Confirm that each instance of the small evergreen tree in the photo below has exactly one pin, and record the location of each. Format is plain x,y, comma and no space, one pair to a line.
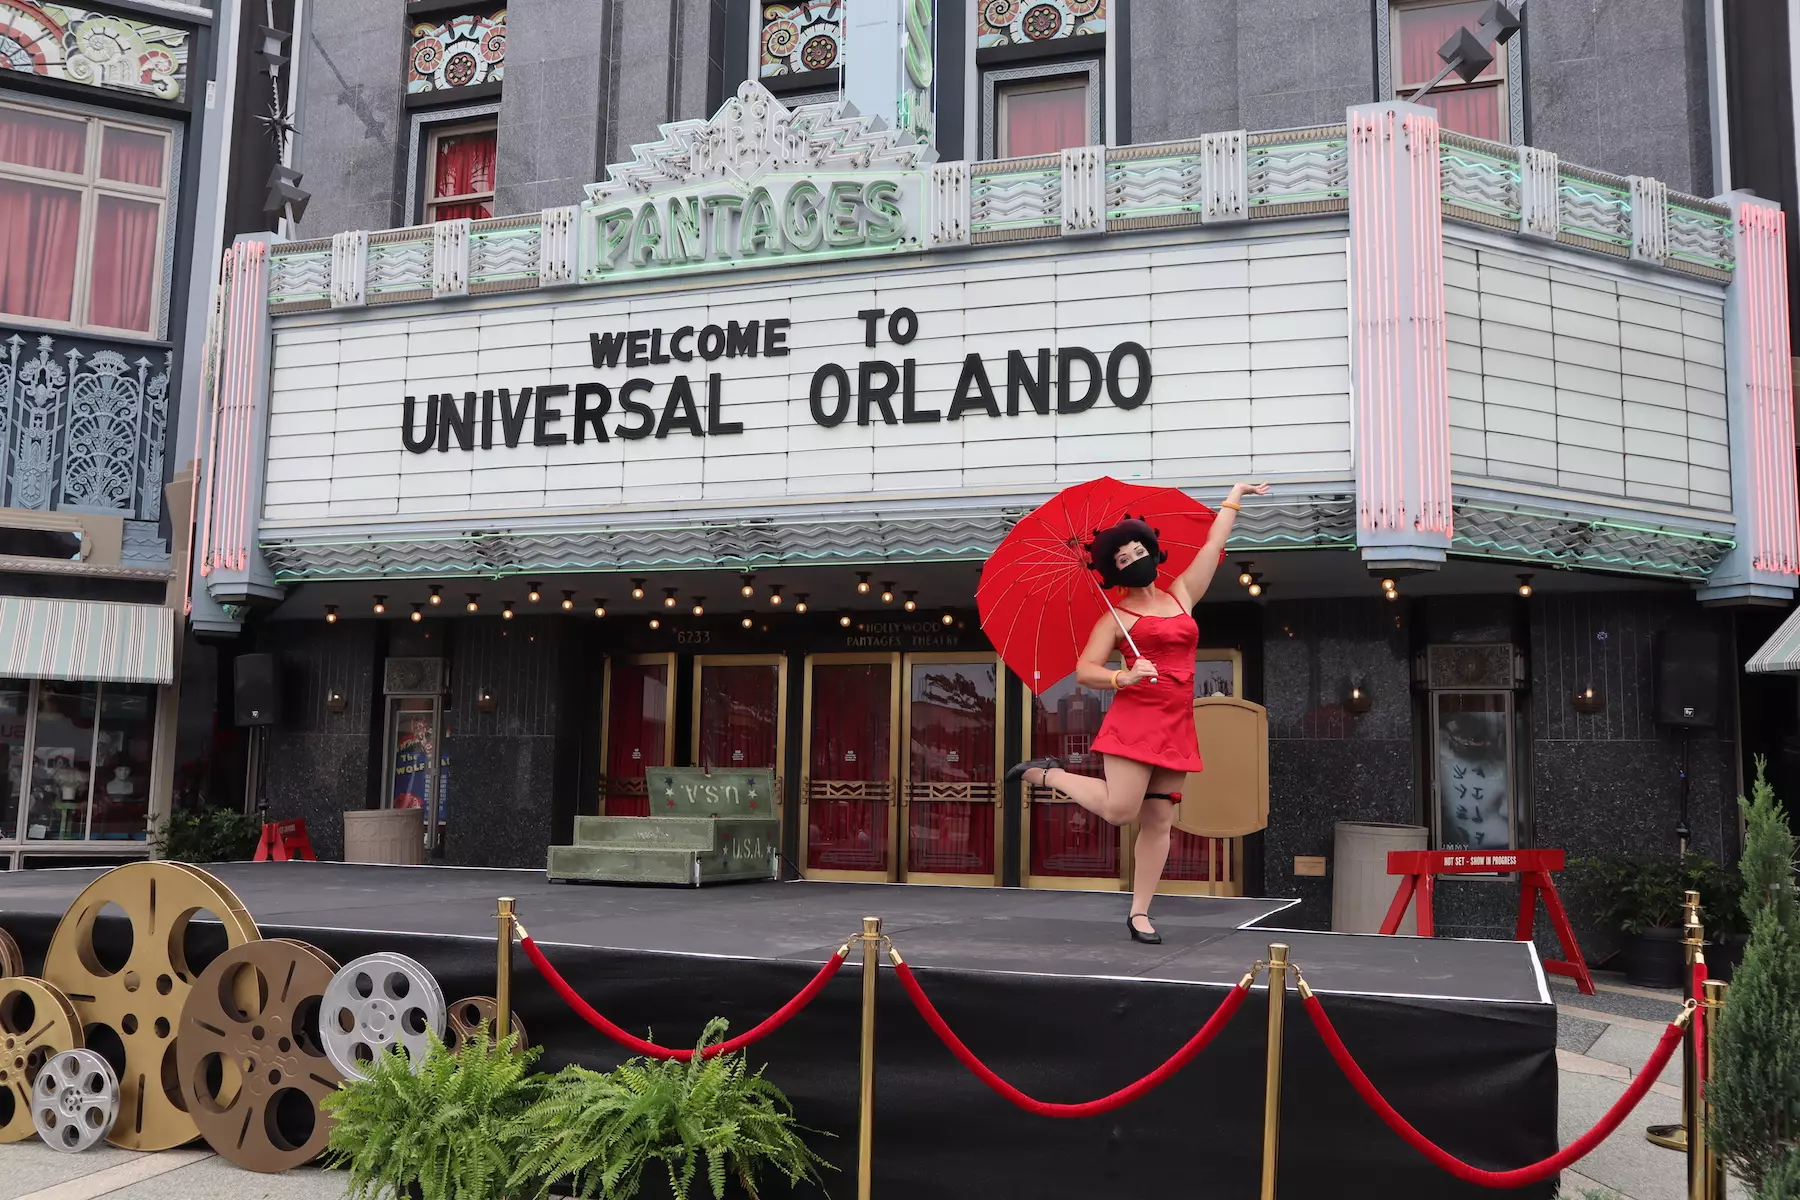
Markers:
1755,1091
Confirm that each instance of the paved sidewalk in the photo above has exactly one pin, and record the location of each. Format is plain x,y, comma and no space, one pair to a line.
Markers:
1602,1039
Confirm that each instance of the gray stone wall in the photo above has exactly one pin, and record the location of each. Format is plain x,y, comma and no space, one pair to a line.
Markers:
549,126
352,117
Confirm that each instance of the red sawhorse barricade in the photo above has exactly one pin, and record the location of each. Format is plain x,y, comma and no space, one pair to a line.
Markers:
1419,870
285,841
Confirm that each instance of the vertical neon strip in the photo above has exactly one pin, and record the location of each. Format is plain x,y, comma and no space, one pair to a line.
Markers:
228,451
211,462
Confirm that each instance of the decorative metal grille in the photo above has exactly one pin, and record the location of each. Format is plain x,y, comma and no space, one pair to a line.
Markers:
1481,181
82,425
1298,171
300,276
1015,199
1563,539
1154,186
1700,237
503,254
1596,210
399,265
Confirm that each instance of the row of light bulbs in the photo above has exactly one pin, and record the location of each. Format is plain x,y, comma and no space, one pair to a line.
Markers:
638,592
1391,588
1249,580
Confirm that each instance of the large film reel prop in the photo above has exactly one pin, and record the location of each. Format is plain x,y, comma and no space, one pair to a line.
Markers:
466,1016
12,963
75,1100
131,1000
376,1003
37,1022
253,1076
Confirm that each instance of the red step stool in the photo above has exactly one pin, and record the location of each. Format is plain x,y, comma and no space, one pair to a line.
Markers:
285,841
1420,869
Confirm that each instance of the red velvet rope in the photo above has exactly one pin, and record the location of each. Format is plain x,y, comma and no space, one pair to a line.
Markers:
586,1012
1699,1031
1518,1177
1234,1000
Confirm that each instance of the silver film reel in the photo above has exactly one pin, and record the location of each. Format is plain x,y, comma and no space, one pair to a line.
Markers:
376,1003
75,1100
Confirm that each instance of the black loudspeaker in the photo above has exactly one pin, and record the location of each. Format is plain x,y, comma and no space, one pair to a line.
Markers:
256,689
1687,679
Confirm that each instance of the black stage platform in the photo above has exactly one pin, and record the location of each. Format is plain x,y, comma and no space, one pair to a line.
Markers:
1043,985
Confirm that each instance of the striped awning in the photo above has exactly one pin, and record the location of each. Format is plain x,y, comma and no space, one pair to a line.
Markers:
1780,655
86,639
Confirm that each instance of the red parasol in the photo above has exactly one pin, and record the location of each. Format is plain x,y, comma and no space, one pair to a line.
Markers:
1038,598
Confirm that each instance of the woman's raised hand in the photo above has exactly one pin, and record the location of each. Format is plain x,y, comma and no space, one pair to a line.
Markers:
1249,489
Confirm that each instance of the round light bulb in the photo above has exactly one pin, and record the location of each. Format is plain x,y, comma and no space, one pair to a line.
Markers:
506,614
1393,595
949,619
844,620
1255,588
1245,579
655,623
800,607
599,610
887,597
775,599
637,591
418,614
380,605
437,596
746,591
1388,585
331,614
745,622
1524,589
699,610
911,606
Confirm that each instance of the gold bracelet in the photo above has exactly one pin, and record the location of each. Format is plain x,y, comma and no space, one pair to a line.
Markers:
1116,686
1233,505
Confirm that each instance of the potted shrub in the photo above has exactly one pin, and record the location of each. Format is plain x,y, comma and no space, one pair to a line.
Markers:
206,835
1755,1088
650,1128
1727,926
1640,895
449,1132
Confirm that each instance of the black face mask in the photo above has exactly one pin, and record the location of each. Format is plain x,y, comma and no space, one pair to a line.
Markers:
1140,573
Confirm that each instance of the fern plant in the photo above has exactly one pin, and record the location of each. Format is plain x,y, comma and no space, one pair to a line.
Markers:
599,1133
452,1131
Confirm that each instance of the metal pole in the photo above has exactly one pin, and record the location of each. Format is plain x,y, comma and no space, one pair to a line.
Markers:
1712,1169
1674,1137
1278,968
865,1133
503,970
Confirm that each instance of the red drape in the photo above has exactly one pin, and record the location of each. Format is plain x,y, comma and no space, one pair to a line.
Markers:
738,710
636,736
1423,30
1474,111
124,268
1043,122
465,164
39,234
952,741
37,140
851,714
1066,839
128,156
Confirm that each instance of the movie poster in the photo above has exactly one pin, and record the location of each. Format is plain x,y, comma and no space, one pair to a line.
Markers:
1474,801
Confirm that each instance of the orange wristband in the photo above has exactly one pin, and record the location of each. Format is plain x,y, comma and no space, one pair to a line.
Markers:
1116,686
1233,505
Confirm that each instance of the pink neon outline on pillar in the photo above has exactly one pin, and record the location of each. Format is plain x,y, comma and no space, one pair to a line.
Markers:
1434,383
211,463
1776,547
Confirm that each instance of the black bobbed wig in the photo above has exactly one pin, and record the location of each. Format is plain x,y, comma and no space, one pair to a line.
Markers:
1107,541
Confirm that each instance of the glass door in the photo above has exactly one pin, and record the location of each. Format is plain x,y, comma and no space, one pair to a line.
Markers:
1203,865
848,815
1472,746
638,730
414,729
741,706
950,806
1066,846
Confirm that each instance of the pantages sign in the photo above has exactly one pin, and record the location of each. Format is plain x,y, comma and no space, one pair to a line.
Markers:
754,183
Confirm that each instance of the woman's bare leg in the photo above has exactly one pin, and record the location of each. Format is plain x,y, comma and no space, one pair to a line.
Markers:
1155,821
1115,799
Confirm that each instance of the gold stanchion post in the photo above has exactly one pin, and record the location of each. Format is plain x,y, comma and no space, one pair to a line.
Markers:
1278,970
1674,1137
503,969
1711,1168
865,1133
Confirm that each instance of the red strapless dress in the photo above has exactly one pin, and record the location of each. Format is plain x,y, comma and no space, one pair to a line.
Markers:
1152,721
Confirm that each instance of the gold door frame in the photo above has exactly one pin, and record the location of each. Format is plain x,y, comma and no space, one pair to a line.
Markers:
1230,858
906,798
893,660
1224,854
606,677
780,663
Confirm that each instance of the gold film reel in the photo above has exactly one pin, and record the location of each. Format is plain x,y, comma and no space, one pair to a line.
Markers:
463,1018
12,962
37,1022
253,1075
129,998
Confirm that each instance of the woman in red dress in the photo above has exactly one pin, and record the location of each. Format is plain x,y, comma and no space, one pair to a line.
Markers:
1147,740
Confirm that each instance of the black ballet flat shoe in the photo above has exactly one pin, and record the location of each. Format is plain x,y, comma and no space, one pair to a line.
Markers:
1035,764
1152,938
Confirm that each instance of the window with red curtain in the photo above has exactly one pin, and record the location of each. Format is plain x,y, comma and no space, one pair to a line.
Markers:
852,714
462,174
1477,109
67,182
636,735
739,716
952,742
1042,117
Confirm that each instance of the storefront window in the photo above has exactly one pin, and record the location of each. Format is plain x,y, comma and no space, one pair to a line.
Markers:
122,756
1067,840
15,720
953,730
851,767
739,722
62,761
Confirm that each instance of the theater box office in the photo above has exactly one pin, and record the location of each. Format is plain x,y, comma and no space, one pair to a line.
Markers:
702,471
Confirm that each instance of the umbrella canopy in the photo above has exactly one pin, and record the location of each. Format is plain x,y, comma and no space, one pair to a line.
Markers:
1038,598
